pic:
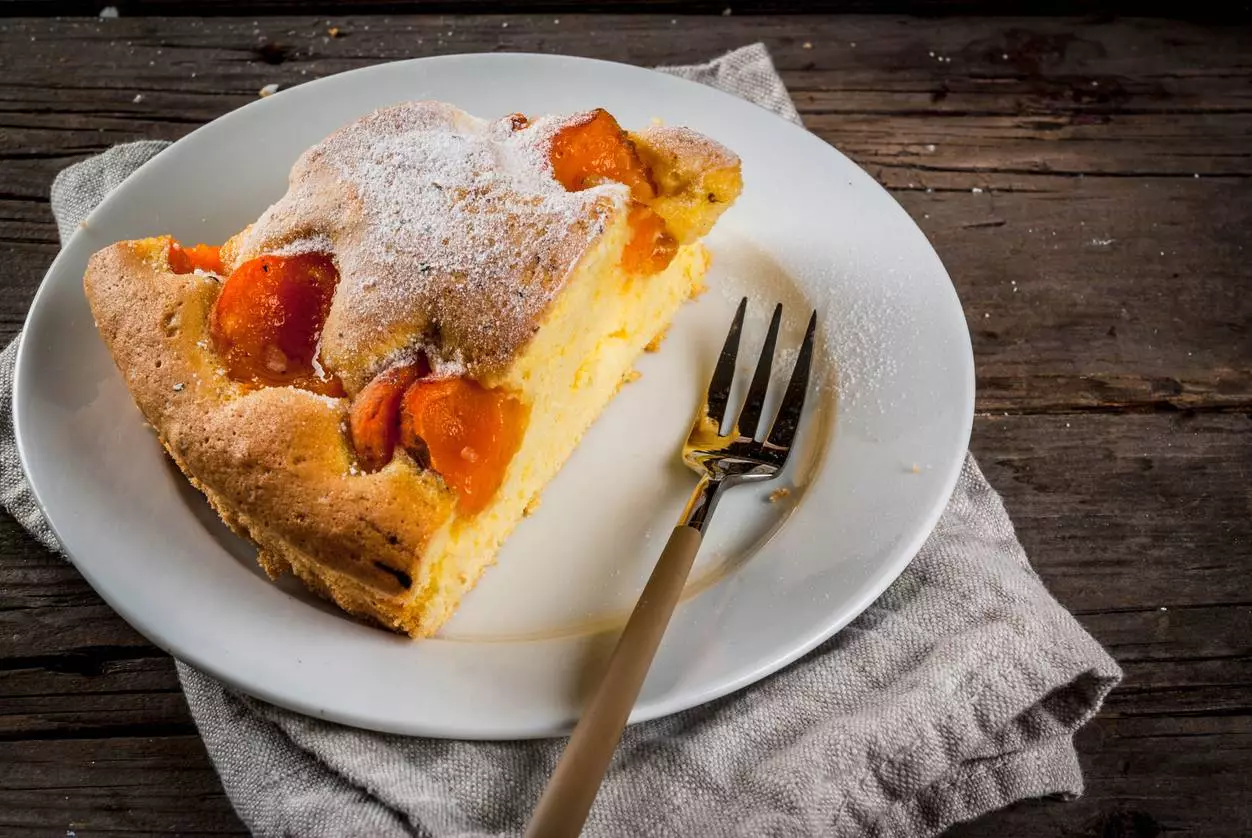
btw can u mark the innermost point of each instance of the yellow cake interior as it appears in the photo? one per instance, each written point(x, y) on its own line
point(569, 373)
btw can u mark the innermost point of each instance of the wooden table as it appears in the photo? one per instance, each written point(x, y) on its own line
point(1087, 185)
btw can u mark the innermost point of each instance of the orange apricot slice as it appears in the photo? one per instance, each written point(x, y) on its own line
point(465, 432)
point(651, 247)
point(184, 260)
point(596, 150)
point(374, 421)
point(267, 321)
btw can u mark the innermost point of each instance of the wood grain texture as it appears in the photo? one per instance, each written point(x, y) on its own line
point(112, 786)
point(1210, 10)
point(1053, 164)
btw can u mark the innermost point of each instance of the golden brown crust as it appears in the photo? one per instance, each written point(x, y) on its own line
point(696, 178)
point(273, 461)
point(685, 153)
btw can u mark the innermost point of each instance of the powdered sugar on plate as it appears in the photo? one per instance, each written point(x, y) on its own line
point(852, 326)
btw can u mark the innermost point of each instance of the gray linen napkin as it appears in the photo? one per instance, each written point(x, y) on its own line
point(956, 693)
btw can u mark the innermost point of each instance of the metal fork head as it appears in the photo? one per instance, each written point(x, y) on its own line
point(737, 456)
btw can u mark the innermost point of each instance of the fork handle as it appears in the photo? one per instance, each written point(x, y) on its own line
point(573, 786)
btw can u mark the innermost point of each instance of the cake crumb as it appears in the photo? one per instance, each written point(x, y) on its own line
point(655, 344)
point(333, 31)
point(779, 494)
point(808, 45)
point(268, 90)
point(916, 469)
point(632, 375)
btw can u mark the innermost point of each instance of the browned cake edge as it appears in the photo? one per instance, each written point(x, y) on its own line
point(273, 462)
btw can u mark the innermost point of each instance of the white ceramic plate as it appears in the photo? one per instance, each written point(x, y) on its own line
point(882, 444)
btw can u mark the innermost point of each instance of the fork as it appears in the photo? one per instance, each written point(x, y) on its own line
point(722, 461)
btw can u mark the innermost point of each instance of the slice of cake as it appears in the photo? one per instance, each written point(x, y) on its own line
point(376, 379)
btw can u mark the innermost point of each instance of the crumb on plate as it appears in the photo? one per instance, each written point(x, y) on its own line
point(655, 343)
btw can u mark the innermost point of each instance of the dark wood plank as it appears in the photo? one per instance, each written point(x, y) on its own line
point(112, 786)
point(1124, 512)
point(1053, 164)
point(94, 692)
point(1209, 10)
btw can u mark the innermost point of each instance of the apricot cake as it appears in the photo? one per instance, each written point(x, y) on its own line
point(375, 380)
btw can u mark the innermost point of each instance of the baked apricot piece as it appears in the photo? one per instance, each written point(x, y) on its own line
point(596, 150)
point(267, 321)
point(374, 422)
point(184, 260)
point(465, 432)
point(651, 247)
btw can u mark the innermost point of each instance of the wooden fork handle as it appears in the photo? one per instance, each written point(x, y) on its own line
point(573, 786)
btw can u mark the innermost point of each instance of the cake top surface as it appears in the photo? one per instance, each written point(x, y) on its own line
point(450, 234)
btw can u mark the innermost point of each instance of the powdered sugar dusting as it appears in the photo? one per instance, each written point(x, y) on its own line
point(317, 243)
point(852, 327)
point(447, 365)
point(457, 197)
point(450, 234)
point(864, 371)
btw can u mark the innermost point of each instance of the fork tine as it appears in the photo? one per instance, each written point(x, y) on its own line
point(724, 374)
point(784, 431)
point(750, 418)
